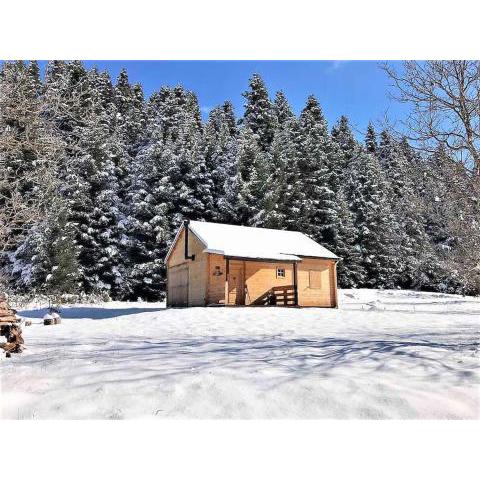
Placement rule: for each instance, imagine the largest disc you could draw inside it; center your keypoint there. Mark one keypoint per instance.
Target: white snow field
(382, 355)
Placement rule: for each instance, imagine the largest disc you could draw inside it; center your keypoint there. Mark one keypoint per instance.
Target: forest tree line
(98, 179)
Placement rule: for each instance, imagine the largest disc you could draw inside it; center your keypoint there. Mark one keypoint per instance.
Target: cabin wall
(197, 270)
(260, 277)
(325, 292)
(216, 283)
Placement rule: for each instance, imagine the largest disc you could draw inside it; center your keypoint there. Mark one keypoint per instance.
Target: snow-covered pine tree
(371, 139)
(343, 150)
(82, 104)
(150, 201)
(245, 187)
(282, 110)
(47, 261)
(171, 182)
(128, 128)
(259, 114)
(283, 193)
(219, 151)
(314, 145)
(351, 273)
(418, 263)
(377, 230)
(99, 221)
(341, 158)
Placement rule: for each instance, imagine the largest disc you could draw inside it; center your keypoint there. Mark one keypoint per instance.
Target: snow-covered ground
(390, 354)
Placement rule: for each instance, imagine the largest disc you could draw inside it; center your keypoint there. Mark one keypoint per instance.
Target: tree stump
(52, 319)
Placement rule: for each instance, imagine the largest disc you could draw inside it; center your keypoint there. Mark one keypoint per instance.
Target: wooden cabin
(218, 264)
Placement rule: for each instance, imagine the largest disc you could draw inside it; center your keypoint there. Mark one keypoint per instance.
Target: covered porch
(261, 281)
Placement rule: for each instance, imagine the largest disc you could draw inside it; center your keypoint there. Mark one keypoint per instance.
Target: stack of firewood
(10, 328)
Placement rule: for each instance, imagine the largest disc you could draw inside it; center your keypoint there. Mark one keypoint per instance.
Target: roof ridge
(248, 226)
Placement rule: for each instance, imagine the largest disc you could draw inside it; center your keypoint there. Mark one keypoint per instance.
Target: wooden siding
(216, 283)
(178, 285)
(236, 282)
(323, 272)
(197, 270)
(260, 277)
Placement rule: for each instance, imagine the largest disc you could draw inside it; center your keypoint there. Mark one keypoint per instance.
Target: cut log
(10, 347)
(15, 335)
(10, 328)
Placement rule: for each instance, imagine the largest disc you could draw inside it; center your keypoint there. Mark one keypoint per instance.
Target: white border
(250, 29)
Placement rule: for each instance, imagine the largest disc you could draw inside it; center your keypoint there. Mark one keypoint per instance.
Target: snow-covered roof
(260, 243)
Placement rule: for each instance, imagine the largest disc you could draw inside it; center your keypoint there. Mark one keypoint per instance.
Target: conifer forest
(95, 180)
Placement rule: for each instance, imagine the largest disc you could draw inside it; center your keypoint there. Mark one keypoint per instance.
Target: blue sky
(357, 89)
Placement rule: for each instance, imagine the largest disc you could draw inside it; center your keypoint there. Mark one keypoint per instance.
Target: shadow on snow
(291, 359)
(90, 313)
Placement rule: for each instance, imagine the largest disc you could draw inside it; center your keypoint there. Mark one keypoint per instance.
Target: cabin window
(217, 272)
(315, 279)
(280, 273)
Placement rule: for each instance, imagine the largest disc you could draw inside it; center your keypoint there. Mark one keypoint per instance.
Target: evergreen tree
(417, 260)
(84, 102)
(283, 196)
(343, 138)
(351, 273)
(283, 111)
(259, 114)
(375, 222)
(151, 201)
(318, 209)
(128, 127)
(47, 261)
(371, 139)
(245, 189)
(220, 139)
(171, 183)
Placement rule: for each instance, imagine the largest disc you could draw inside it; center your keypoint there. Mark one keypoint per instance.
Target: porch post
(295, 284)
(227, 271)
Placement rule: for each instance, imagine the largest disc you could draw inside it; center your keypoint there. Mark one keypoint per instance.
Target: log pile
(10, 328)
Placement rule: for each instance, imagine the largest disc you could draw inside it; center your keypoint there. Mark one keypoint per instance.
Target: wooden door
(178, 286)
(236, 289)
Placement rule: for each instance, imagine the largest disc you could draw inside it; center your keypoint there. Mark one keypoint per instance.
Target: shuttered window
(315, 279)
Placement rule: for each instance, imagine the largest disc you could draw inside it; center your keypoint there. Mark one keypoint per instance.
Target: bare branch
(445, 100)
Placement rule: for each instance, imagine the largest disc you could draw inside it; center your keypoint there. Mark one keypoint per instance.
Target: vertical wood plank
(295, 283)
(207, 288)
(227, 272)
(335, 287)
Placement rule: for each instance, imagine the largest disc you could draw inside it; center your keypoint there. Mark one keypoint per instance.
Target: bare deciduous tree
(445, 100)
(25, 133)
